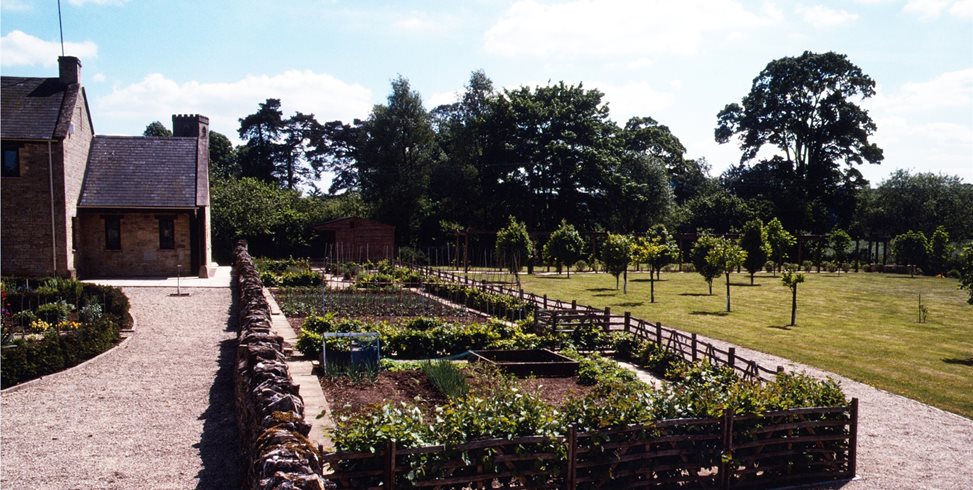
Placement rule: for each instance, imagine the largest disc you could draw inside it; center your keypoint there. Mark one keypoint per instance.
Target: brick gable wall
(25, 225)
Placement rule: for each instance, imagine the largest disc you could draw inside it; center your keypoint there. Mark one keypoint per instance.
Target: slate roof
(31, 108)
(140, 172)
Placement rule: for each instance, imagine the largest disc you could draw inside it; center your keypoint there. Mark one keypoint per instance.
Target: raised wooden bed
(528, 362)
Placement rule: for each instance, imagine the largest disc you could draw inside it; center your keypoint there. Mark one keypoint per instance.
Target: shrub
(55, 312)
(770, 266)
(807, 265)
(90, 313)
(581, 266)
(30, 359)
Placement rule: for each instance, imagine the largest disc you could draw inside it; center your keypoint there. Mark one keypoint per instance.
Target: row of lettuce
(52, 324)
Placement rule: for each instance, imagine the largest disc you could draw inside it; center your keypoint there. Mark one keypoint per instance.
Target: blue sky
(679, 62)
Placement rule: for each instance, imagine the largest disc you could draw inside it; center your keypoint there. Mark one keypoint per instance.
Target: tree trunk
(793, 305)
(651, 291)
(727, 292)
(710, 283)
(751, 278)
(625, 282)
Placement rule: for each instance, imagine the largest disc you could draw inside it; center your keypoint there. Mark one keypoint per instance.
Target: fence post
(853, 439)
(658, 333)
(608, 319)
(521, 294)
(390, 465)
(574, 304)
(726, 429)
(628, 321)
(780, 369)
(545, 301)
(694, 346)
(731, 356)
(571, 476)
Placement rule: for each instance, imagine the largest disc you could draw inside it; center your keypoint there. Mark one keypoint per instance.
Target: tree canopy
(803, 108)
(157, 129)
(564, 247)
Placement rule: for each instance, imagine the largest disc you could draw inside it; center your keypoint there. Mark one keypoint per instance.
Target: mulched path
(155, 412)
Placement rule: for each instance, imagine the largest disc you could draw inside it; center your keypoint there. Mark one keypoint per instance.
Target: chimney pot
(69, 70)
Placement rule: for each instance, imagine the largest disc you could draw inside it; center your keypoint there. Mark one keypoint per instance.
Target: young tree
(701, 249)
(840, 241)
(725, 256)
(655, 251)
(156, 128)
(514, 246)
(911, 248)
(780, 241)
(616, 253)
(564, 247)
(669, 254)
(754, 242)
(791, 279)
(939, 250)
(966, 271)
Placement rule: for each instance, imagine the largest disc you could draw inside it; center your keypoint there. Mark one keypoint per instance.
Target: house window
(11, 160)
(167, 233)
(113, 233)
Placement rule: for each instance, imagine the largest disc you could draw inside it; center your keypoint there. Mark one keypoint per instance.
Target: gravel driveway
(155, 412)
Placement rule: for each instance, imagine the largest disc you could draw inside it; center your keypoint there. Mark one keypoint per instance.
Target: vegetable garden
(711, 422)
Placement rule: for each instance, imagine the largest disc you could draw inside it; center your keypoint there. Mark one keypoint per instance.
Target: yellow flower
(39, 325)
(68, 325)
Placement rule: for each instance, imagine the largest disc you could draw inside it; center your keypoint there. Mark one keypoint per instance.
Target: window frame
(113, 223)
(15, 148)
(167, 222)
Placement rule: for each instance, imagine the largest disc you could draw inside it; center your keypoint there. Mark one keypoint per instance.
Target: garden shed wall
(357, 239)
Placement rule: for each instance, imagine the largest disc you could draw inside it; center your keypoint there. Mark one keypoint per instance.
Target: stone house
(73, 203)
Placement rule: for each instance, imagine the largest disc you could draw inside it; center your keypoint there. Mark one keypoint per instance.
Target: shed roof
(36, 108)
(142, 172)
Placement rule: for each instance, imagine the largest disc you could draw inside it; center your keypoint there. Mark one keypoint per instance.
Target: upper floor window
(113, 233)
(11, 160)
(167, 233)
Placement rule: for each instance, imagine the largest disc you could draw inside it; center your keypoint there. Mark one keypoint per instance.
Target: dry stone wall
(269, 405)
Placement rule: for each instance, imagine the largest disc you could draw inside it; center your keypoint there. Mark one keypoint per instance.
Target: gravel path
(155, 412)
(902, 443)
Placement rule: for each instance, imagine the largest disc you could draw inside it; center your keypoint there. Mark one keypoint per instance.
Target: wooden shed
(357, 240)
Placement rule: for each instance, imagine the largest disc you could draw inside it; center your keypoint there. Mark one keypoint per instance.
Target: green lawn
(862, 326)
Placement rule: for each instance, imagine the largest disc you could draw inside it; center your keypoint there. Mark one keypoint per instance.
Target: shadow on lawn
(600, 289)
(694, 294)
(955, 360)
(780, 327)
(647, 280)
(630, 304)
(709, 313)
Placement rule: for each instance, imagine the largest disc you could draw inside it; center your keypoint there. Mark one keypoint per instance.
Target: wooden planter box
(528, 362)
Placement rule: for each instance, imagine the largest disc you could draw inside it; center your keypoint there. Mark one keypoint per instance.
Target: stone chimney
(69, 69)
(196, 126)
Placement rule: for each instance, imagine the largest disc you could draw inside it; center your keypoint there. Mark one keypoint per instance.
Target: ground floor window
(113, 233)
(11, 160)
(167, 233)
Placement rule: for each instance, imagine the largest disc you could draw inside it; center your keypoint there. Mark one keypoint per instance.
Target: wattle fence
(686, 345)
(773, 449)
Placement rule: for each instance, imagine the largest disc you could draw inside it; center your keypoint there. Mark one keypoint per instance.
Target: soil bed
(348, 396)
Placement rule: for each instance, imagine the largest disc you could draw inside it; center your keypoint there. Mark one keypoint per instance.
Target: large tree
(223, 160)
(921, 201)
(397, 150)
(157, 129)
(804, 108)
(262, 132)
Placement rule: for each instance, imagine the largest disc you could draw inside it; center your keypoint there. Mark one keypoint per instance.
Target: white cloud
(949, 90)
(441, 98)
(99, 77)
(926, 126)
(81, 3)
(421, 23)
(16, 5)
(932, 9)
(22, 49)
(157, 98)
(619, 27)
(633, 99)
(823, 17)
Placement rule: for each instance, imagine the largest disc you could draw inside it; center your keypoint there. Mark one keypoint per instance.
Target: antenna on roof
(60, 26)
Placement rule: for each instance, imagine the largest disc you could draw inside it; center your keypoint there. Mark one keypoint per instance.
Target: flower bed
(53, 324)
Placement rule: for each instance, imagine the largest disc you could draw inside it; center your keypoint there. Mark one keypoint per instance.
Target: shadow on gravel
(219, 446)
